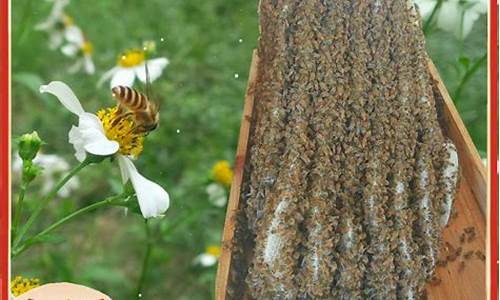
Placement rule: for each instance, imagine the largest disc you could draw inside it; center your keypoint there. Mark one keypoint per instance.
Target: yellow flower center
(222, 173)
(213, 250)
(20, 285)
(67, 20)
(121, 130)
(87, 48)
(131, 58)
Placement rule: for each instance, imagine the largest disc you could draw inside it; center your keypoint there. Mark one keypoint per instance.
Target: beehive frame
(460, 279)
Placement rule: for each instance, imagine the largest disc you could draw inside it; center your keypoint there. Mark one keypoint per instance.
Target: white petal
(88, 64)
(155, 68)
(216, 194)
(215, 190)
(220, 202)
(88, 120)
(65, 96)
(55, 40)
(17, 164)
(106, 76)
(480, 6)
(51, 163)
(72, 184)
(89, 137)
(48, 184)
(75, 67)
(76, 139)
(45, 25)
(153, 199)
(425, 7)
(206, 260)
(123, 76)
(55, 15)
(58, 8)
(449, 18)
(69, 50)
(95, 141)
(469, 18)
(122, 163)
(102, 146)
(74, 35)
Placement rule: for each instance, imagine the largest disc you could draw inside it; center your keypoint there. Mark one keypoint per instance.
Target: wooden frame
(460, 279)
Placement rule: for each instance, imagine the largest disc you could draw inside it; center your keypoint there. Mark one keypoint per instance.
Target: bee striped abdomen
(130, 98)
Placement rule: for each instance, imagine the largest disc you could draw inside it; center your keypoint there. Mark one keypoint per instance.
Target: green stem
(47, 199)
(145, 264)
(18, 210)
(39, 237)
(467, 77)
(429, 21)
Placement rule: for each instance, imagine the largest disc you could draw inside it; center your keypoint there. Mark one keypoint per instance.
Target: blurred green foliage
(452, 58)
(201, 109)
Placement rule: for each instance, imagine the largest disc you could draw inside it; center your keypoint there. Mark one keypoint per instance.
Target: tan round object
(63, 291)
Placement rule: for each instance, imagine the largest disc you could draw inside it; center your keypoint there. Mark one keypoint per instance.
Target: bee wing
(152, 98)
(148, 80)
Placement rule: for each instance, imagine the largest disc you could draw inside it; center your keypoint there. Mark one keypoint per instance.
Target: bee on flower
(109, 134)
(209, 257)
(131, 65)
(20, 285)
(56, 24)
(79, 48)
(454, 16)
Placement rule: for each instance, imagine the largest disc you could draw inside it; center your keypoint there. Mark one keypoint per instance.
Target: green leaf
(29, 80)
(51, 238)
(464, 61)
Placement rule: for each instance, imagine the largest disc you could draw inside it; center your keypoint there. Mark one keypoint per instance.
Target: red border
(4, 150)
(493, 163)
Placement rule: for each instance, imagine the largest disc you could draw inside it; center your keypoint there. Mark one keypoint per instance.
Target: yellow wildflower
(222, 173)
(213, 250)
(20, 285)
(122, 131)
(131, 58)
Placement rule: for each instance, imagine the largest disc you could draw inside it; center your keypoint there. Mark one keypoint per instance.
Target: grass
(201, 109)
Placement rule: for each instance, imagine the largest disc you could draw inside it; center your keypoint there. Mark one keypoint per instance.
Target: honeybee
(132, 103)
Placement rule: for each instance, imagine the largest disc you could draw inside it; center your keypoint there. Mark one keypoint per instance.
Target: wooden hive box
(459, 280)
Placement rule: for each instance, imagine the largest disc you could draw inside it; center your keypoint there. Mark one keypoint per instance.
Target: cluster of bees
(349, 180)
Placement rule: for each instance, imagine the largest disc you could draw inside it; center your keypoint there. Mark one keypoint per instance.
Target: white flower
(78, 47)
(209, 257)
(130, 65)
(56, 23)
(53, 165)
(217, 194)
(89, 136)
(455, 16)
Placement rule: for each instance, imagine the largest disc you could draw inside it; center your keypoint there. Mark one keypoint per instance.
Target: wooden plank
(234, 197)
(470, 162)
(470, 203)
(465, 282)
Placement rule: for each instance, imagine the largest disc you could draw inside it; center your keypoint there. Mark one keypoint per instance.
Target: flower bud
(29, 144)
(149, 47)
(30, 171)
